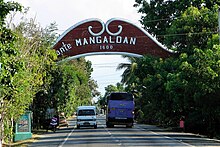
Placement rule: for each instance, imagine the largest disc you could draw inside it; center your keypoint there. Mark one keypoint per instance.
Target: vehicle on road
(53, 123)
(120, 109)
(63, 122)
(86, 116)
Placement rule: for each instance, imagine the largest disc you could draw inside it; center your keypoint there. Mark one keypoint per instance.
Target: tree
(109, 89)
(8, 68)
(71, 86)
(128, 77)
(29, 73)
(186, 33)
(39, 61)
(158, 15)
(24, 69)
(187, 84)
(62, 86)
(150, 96)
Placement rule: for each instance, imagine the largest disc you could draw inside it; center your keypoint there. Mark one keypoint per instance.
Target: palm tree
(128, 76)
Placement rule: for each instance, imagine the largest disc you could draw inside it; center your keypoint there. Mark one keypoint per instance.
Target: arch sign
(116, 36)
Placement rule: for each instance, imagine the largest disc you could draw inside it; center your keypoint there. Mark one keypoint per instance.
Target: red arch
(93, 36)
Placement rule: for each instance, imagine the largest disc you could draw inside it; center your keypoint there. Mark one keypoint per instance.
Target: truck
(86, 116)
(120, 109)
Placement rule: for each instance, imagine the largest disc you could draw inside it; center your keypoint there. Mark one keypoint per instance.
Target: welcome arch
(116, 36)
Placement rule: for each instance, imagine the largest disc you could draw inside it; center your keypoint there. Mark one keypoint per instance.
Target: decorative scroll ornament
(113, 34)
(97, 34)
(105, 27)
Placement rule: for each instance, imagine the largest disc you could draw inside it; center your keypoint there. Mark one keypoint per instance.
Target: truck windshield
(86, 112)
(121, 96)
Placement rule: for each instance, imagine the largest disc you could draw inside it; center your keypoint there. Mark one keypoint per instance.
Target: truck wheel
(109, 126)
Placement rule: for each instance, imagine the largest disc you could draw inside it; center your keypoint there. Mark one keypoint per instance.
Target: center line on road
(112, 136)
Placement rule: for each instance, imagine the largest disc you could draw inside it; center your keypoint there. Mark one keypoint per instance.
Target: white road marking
(67, 137)
(142, 129)
(113, 137)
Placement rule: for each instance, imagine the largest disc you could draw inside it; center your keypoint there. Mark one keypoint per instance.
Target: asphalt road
(139, 135)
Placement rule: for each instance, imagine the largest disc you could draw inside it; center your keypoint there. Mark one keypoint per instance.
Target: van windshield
(86, 112)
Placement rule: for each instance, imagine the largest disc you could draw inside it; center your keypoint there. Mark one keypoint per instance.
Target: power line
(163, 19)
(108, 75)
(107, 63)
(108, 83)
(185, 34)
(102, 66)
(107, 78)
(180, 34)
(154, 20)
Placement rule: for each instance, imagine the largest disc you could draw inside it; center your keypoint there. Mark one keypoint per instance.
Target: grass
(24, 143)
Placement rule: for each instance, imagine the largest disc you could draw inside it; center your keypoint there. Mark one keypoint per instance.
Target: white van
(86, 116)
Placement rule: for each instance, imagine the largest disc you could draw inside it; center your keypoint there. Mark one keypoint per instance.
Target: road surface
(139, 135)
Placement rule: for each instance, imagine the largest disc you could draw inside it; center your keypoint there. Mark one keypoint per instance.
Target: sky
(66, 13)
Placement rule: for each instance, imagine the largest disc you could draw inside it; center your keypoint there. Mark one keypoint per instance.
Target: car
(63, 122)
(86, 117)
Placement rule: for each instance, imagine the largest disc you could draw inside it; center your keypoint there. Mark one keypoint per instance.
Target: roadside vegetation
(31, 78)
(187, 85)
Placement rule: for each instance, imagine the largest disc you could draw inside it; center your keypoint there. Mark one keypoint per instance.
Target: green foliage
(119, 87)
(158, 15)
(127, 77)
(25, 60)
(11, 70)
(31, 79)
(59, 86)
(170, 88)
(185, 33)
(6, 8)
(188, 84)
(70, 86)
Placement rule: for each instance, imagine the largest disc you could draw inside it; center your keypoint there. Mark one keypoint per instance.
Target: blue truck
(120, 109)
